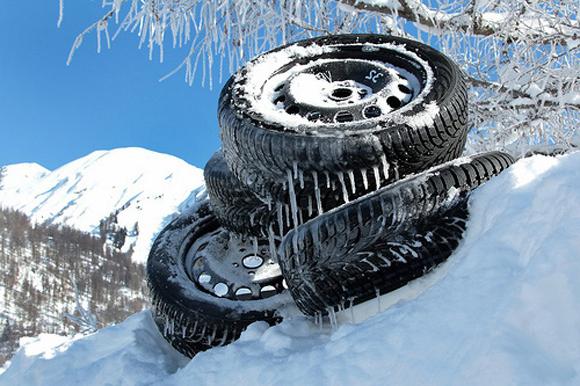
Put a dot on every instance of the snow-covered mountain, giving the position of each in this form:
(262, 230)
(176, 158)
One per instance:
(141, 186)
(503, 310)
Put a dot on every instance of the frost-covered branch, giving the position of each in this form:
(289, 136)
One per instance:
(100, 26)
(520, 20)
(520, 56)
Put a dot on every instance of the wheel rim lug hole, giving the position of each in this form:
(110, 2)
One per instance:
(341, 93)
(221, 289)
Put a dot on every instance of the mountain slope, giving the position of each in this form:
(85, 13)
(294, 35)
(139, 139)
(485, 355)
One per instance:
(45, 269)
(138, 186)
(503, 310)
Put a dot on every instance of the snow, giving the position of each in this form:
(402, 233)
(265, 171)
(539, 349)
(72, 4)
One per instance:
(312, 89)
(146, 187)
(503, 310)
(132, 353)
(261, 83)
(21, 174)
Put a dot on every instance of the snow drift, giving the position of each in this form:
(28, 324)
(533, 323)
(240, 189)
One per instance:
(144, 187)
(503, 310)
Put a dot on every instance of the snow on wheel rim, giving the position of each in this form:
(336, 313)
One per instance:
(225, 265)
(333, 86)
(341, 90)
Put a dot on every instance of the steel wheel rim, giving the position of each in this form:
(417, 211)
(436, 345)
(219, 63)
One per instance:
(392, 80)
(225, 265)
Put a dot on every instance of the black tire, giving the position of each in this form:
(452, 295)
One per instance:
(386, 265)
(189, 316)
(354, 157)
(240, 210)
(321, 259)
(233, 203)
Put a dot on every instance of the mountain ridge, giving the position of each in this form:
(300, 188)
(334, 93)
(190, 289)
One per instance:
(141, 188)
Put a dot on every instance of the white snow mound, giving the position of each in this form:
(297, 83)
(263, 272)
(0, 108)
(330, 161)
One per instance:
(145, 186)
(504, 310)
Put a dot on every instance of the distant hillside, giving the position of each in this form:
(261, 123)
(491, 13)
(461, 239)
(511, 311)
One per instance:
(91, 223)
(39, 266)
(128, 193)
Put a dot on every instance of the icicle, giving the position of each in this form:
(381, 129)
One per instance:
(332, 317)
(350, 306)
(295, 246)
(317, 192)
(301, 178)
(318, 319)
(224, 337)
(359, 215)
(287, 212)
(340, 176)
(385, 167)
(213, 335)
(255, 243)
(327, 176)
(315, 239)
(351, 178)
(292, 195)
(309, 206)
(377, 177)
(269, 202)
(378, 293)
(280, 219)
(272, 242)
(365, 179)
(295, 169)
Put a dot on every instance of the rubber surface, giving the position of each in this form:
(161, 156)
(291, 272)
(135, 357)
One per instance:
(233, 203)
(315, 256)
(191, 319)
(350, 210)
(269, 158)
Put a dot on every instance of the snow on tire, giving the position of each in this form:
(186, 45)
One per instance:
(346, 113)
(347, 255)
(208, 284)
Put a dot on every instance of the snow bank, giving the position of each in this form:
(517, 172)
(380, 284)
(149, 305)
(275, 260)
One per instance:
(132, 353)
(503, 310)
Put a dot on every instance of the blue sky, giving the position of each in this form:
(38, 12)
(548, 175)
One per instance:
(51, 113)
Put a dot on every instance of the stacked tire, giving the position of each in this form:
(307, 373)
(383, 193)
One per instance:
(338, 181)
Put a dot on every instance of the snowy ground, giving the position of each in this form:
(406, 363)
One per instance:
(503, 310)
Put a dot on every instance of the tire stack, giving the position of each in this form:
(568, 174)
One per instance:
(338, 181)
